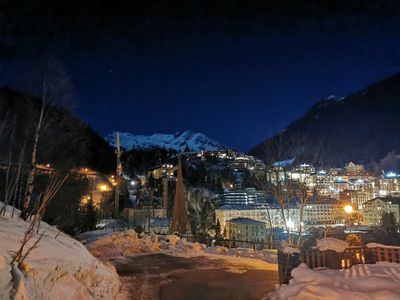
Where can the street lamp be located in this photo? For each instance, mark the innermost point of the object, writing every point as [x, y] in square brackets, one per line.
[104, 187]
[348, 209]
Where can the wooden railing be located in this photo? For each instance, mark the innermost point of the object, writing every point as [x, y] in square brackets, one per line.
[350, 257]
[330, 259]
[248, 244]
[386, 253]
[333, 260]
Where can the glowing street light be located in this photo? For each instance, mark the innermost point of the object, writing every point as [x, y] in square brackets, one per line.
[348, 209]
[290, 224]
[104, 187]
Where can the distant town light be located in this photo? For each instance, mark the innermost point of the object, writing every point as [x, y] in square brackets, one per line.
[290, 224]
[104, 187]
[390, 174]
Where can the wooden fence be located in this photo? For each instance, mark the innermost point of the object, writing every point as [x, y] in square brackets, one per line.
[248, 244]
[330, 259]
[386, 253]
[350, 257]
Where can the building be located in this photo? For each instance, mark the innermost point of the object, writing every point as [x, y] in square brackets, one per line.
[263, 214]
[302, 172]
[323, 211]
[341, 183]
[374, 209]
[248, 196]
[389, 184]
[240, 163]
[322, 181]
[243, 230]
[353, 169]
[356, 197]
[162, 170]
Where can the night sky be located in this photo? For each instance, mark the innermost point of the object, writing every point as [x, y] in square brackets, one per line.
[238, 73]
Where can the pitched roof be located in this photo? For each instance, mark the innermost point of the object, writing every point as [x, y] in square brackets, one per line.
[393, 200]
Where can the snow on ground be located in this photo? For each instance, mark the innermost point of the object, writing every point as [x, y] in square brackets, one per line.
[128, 243]
[362, 282]
[269, 256]
[59, 268]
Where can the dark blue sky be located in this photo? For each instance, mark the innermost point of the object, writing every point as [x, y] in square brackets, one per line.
[239, 77]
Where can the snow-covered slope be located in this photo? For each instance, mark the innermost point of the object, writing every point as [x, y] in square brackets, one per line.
[59, 268]
[178, 141]
[364, 282]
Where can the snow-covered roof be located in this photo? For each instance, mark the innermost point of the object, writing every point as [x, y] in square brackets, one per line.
[332, 244]
[283, 163]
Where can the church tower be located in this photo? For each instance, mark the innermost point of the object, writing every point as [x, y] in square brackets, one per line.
[180, 221]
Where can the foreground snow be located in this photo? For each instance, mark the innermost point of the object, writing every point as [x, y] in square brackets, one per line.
[151, 264]
[106, 244]
[362, 282]
[59, 268]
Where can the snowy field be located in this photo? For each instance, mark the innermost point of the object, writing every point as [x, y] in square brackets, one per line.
[59, 268]
[379, 281]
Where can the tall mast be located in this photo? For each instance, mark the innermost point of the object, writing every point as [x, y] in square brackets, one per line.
[118, 176]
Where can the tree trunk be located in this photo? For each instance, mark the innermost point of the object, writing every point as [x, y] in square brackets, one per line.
[32, 172]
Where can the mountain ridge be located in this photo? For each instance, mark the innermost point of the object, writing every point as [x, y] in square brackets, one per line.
[363, 126]
[178, 141]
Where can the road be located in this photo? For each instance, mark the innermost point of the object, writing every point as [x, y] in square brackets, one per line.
[164, 277]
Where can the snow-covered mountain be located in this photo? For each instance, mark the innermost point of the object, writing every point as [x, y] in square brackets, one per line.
[178, 141]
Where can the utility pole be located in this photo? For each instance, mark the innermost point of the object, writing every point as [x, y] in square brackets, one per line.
[118, 177]
[165, 194]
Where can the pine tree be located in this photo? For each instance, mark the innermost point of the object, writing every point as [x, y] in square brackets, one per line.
[389, 222]
[218, 230]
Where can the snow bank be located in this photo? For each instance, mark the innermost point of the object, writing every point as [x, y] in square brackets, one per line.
[124, 243]
[59, 268]
[88, 237]
[128, 243]
[332, 244]
[269, 256]
[364, 282]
